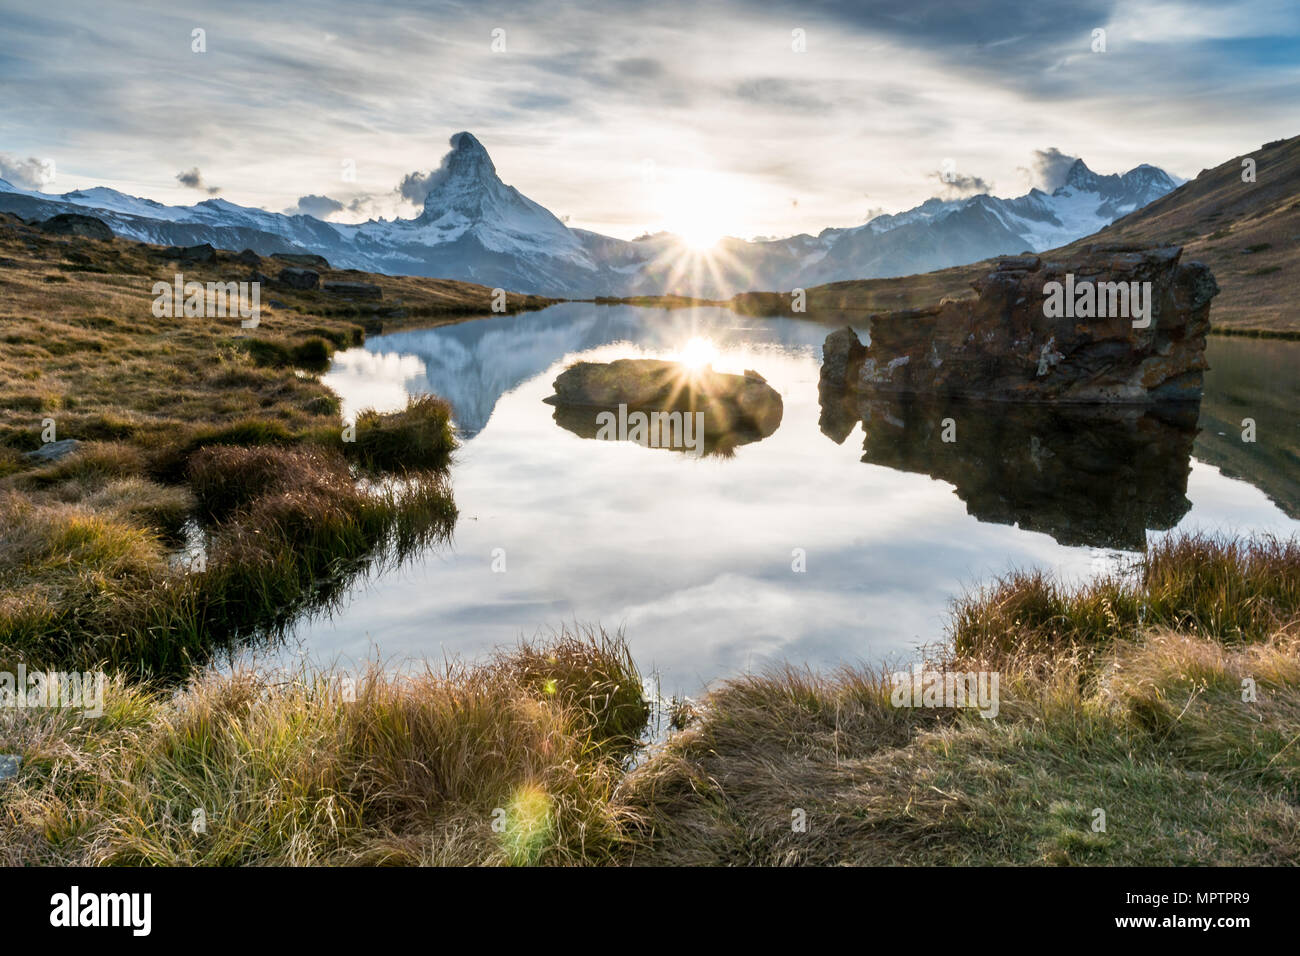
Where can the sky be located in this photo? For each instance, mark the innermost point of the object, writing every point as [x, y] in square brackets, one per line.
[763, 118]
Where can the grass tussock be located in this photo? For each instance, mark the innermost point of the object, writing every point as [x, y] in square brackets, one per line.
[470, 765]
[418, 436]
[1234, 591]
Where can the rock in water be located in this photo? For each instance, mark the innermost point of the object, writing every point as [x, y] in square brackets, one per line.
[1117, 324]
[740, 407]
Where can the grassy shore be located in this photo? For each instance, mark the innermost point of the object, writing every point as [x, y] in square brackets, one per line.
[526, 758]
[214, 491]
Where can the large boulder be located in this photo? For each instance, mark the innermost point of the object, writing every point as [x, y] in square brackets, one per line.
[202, 253]
[735, 408]
[75, 224]
[296, 278]
[1045, 331]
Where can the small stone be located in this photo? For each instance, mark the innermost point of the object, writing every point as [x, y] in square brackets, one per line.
[54, 450]
[9, 764]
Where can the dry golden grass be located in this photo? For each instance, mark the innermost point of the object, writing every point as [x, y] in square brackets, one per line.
[467, 765]
[94, 548]
[1156, 736]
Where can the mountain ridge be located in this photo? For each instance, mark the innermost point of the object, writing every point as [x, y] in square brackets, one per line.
[474, 227]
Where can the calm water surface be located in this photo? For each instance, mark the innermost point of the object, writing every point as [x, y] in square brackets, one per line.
[693, 557]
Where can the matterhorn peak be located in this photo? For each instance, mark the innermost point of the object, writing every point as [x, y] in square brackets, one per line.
[464, 181]
[468, 157]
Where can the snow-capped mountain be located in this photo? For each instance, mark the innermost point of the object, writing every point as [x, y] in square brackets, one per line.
[476, 228]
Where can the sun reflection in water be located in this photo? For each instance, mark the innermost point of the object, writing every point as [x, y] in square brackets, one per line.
[699, 352]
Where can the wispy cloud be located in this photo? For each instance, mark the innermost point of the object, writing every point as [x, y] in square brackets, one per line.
[193, 179]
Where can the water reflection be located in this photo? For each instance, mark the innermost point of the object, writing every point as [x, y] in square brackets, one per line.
[1087, 475]
[696, 558]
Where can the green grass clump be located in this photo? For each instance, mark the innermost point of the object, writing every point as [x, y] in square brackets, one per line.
[312, 354]
[593, 672]
[1230, 590]
[226, 477]
[285, 530]
[418, 436]
[91, 461]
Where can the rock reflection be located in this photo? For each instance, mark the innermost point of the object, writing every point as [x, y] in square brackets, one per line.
[1096, 476]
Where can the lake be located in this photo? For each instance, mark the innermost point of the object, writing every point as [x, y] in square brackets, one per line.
[841, 537]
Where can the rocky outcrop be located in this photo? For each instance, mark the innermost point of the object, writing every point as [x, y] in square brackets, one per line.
[203, 253]
[1117, 324]
[72, 224]
[296, 278]
[354, 290]
[592, 398]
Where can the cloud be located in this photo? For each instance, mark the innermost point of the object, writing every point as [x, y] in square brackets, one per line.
[780, 93]
[193, 179]
[30, 173]
[640, 67]
[414, 187]
[955, 185]
[1048, 169]
[319, 206]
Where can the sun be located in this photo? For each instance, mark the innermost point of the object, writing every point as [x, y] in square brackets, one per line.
[699, 352]
[700, 236]
[699, 208]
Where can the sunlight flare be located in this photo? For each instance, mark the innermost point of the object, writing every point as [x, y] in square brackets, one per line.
[699, 352]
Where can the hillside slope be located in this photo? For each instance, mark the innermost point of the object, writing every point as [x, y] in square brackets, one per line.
[1247, 233]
